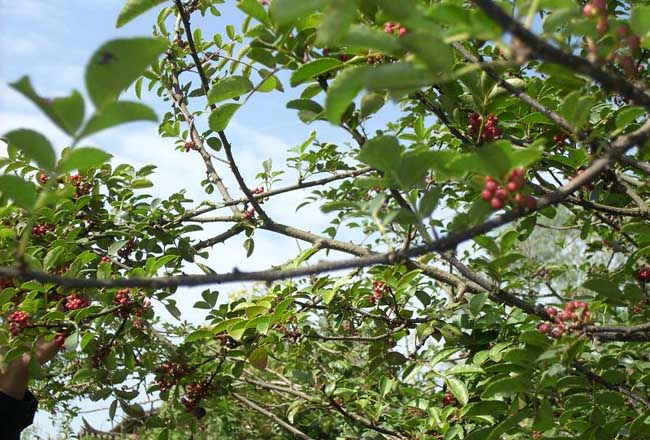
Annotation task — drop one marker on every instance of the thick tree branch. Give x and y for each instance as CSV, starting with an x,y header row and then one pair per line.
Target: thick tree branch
x,y
610,81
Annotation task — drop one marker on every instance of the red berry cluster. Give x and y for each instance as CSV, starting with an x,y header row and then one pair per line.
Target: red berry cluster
x,y
640,306
126,250
489,132
258,190
81,188
643,274
60,339
537,435
42,229
105,259
194,393
597,9
75,302
249,213
43,178
5,283
18,321
189,146
449,400
560,138
391,27
168,375
123,300
499,196
573,317
379,289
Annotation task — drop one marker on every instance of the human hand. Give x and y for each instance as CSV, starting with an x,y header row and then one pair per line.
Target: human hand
x,y
15,377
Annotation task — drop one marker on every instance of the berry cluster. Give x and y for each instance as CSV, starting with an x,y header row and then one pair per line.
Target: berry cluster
x,y
98,358
377,58
189,146
391,27
249,213
640,306
573,317
537,435
60,339
194,393
597,9
643,274
258,190
485,133
168,375
81,188
449,400
105,259
560,138
5,283
43,178
42,229
123,300
18,321
499,196
379,289
75,302
127,249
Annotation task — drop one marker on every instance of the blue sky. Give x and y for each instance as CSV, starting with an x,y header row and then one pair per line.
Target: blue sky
x,y
51,42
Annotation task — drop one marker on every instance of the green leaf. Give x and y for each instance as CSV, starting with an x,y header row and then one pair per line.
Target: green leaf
x,y
371,103
363,37
117,113
83,158
21,192
338,18
313,69
115,65
220,117
640,20
606,289
197,335
259,358
134,8
432,51
113,248
35,146
254,9
66,112
394,358
576,109
382,153
458,389
285,12
397,77
52,257
506,385
228,88
343,90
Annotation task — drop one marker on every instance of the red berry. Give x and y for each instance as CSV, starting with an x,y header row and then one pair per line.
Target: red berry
x,y
497,203
501,194
589,10
491,185
634,42
60,339
552,311
487,195
402,31
544,327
